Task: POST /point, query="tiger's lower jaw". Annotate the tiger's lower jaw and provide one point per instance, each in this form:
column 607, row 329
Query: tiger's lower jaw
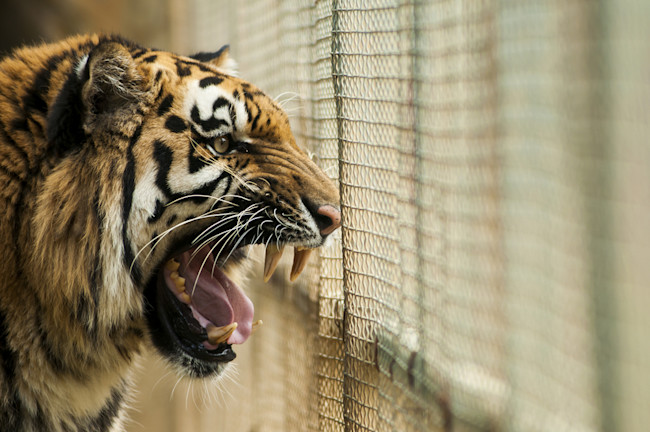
column 196, row 313
column 179, row 339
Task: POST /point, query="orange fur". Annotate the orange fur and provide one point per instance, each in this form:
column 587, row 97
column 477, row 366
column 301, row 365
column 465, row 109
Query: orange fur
column 87, row 127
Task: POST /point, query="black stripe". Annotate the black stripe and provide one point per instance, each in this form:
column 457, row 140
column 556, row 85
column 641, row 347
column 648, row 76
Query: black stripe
column 20, row 124
column 139, row 53
column 182, row 69
column 204, row 192
column 203, row 68
column 208, row 81
column 33, row 99
column 220, row 103
column 195, row 162
column 11, row 406
column 52, row 350
column 128, row 187
column 175, row 124
column 37, row 127
column 233, row 116
column 163, row 157
column 257, row 117
column 165, row 106
column 207, row 57
column 158, row 212
column 8, row 140
column 208, row 125
column 14, row 176
column 65, row 119
column 106, row 416
column 150, row 59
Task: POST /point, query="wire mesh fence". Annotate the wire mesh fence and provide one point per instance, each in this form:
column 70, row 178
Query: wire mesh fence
column 491, row 272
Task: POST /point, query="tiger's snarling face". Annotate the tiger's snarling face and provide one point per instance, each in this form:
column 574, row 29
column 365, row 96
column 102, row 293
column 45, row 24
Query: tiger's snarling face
column 228, row 174
column 135, row 182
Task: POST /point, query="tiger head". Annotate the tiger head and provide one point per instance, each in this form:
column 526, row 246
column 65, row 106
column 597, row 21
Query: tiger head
column 195, row 165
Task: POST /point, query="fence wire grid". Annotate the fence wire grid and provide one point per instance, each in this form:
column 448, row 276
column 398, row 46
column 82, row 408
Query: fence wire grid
column 492, row 268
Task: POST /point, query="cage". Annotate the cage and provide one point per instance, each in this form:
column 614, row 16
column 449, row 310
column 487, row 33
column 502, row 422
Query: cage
column 491, row 271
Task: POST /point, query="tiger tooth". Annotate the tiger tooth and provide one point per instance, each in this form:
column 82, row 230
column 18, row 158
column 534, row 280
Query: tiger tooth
column 300, row 258
column 172, row 265
column 180, row 283
column 216, row 335
column 185, row 297
column 273, row 254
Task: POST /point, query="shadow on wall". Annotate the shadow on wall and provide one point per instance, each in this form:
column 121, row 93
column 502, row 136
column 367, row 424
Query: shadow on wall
column 33, row 21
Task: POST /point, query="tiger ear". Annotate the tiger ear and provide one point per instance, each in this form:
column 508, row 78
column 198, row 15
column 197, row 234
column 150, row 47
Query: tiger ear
column 220, row 58
column 112, row 83
column 103, row 83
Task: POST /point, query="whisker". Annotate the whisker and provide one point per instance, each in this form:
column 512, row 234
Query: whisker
column 156, row 240
column 206, row 196
column 239, row 241
column 211, row 228
column 237, row 244
column 206, row 259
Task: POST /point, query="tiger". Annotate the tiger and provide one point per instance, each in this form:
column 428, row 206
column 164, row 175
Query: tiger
column 133, row 182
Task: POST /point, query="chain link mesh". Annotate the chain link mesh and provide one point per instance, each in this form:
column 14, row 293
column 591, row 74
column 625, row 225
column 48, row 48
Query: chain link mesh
column 492, row 159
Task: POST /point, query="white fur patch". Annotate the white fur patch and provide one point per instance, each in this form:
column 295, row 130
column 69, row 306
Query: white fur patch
column 229, row 67
column 79, row 69
column 241, row 115
column 180, row 181
column 146, row 193
column 204, row 99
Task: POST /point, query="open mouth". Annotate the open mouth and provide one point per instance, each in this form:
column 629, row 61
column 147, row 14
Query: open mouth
column 198, row 309
column 219, row 306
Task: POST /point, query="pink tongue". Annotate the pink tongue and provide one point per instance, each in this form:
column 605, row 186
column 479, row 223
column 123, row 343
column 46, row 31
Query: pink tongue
column 215, row 296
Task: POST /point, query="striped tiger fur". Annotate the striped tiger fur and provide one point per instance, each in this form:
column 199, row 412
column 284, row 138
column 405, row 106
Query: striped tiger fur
column 132, row 181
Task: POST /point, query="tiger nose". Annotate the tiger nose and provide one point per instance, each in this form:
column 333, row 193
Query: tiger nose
column 329, row 220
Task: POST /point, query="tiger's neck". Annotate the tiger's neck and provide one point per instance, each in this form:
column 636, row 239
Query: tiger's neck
column 50, row 234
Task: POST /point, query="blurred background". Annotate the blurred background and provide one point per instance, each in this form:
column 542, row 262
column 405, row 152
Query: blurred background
column 493, row 270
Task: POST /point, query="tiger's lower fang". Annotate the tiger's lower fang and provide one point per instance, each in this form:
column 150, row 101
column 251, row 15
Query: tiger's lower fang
column 217, row 335
column 256, row 325
column 185, row 297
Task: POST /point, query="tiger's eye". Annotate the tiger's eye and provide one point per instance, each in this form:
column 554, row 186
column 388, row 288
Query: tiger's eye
column 222, row 144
